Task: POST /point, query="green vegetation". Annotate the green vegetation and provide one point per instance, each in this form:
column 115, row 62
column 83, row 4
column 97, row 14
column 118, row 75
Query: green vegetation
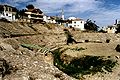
column 91, row 26
column 118, row 28
column 31, row 46
column 42, row 49
column 117, row 48
column 84, row 65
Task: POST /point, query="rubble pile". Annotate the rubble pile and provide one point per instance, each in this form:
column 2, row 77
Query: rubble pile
column 27, row 65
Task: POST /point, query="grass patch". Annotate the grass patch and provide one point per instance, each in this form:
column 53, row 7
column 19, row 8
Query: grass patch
column 34, row 47
column 84, row 65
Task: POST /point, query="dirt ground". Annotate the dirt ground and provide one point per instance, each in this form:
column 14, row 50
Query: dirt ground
column 97, row 49
column 35, row 66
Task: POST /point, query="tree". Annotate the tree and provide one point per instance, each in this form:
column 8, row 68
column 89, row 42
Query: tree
column 89, row 25
column 118, row 28
column 17, row 14
column 21, row 13
column 30, row 6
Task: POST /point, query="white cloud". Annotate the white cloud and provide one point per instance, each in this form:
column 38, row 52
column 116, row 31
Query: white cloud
column 75, row 5
column 52, row 6
column 105, row 17
column 100, row 14
column 18, row 1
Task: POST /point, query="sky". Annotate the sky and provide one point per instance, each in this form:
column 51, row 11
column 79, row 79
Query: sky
column 104, row 12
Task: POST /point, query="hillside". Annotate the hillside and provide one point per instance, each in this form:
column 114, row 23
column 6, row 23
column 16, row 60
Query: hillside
column 18, row 46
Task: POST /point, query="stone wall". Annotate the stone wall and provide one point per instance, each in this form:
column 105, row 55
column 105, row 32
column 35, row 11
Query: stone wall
column 97, row 36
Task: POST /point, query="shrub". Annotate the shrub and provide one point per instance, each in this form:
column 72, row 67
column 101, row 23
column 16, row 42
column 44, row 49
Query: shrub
column 84, row 65
column 117, row 48
column 108, row 40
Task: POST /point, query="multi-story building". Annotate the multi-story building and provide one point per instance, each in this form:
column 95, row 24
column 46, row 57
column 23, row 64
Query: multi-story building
column 35, row 15
column 8, row 12
column 76, row 23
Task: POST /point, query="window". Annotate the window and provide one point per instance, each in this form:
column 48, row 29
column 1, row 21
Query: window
column 74, row 25
column 7, row 8
column 75, row 22
column 70, row 26
column 6, row 14
column 10, row 9
column 81, row 21
column 3, row 14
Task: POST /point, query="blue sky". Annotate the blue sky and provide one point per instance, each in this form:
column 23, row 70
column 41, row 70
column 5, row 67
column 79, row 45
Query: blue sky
column 104, row 12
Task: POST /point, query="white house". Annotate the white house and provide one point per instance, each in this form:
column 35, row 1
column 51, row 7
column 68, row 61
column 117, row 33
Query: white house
column 45, row 18
column 111, row 29
column 49, row 19
column 7, row 12
column 76, row 23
